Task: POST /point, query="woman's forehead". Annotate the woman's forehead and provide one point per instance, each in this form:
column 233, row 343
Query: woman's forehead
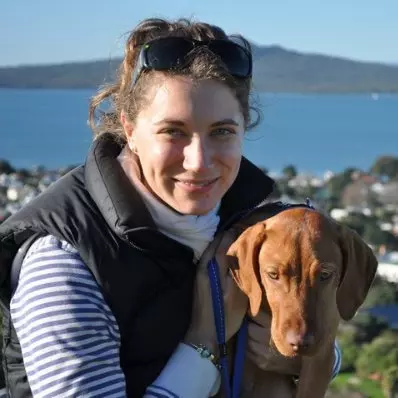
column 179, row 98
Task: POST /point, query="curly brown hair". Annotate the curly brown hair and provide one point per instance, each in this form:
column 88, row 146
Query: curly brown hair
column 204, row 65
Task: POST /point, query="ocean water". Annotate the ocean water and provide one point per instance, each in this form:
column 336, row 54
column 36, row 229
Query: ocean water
column 313, row 132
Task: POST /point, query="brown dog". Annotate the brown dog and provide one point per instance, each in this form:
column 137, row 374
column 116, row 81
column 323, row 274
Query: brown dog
column 307, row 272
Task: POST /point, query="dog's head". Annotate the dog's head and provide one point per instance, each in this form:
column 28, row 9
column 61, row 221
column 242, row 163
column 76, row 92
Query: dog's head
column 308, row 269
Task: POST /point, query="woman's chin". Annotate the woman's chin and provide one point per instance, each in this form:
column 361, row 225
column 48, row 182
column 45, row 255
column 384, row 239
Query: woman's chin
column 194, row 208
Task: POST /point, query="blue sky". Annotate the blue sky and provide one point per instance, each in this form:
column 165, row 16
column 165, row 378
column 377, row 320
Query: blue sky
column 51, row 31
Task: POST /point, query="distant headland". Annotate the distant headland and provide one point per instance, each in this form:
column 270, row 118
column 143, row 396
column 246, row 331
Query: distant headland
column 276, row 69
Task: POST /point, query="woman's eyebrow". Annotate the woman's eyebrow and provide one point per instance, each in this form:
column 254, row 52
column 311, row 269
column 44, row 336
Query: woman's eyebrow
column 224, row 122
column 176, row 122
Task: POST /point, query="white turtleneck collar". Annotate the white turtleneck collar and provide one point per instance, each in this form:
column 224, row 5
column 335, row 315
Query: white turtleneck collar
column 193, row 231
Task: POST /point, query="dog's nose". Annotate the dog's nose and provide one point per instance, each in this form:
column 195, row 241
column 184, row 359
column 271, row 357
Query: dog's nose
column 299, row 341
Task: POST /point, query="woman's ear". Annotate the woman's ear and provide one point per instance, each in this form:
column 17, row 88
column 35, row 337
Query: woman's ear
column 128, row 130
column 126, row 124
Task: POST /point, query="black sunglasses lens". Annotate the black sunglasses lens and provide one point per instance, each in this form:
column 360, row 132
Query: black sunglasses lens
column 167, row 53
column 170, row 53
column 235, row 58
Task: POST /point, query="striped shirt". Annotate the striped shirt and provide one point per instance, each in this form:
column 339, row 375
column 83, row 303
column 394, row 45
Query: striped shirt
column 70, row 340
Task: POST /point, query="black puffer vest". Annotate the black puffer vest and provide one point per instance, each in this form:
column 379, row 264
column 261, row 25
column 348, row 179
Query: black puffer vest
column 146, row 278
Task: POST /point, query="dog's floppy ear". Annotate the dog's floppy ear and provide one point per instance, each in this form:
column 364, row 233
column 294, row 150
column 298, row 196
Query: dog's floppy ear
column 359, row 270
column 246, row 250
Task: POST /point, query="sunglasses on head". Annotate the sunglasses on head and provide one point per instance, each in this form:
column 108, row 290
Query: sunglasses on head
column 171, row 53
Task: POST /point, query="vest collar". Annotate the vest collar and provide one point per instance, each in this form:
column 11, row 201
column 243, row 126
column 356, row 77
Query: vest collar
column 122, row 205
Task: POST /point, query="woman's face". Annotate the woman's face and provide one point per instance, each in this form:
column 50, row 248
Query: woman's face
column 188, row 139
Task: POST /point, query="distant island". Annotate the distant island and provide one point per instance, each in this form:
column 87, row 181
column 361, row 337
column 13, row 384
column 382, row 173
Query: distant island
column 275, row 70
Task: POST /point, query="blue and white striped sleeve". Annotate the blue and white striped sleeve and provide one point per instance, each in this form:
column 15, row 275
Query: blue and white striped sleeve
column 69, row 337
column 337, row 360
column 70, row 340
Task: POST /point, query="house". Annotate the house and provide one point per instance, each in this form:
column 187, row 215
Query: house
column 388, row 194
column 356, row 194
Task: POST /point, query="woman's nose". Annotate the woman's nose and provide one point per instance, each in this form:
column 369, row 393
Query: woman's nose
column 197, row 155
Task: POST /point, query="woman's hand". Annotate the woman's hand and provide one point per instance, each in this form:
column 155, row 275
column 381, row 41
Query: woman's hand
column 202, row 329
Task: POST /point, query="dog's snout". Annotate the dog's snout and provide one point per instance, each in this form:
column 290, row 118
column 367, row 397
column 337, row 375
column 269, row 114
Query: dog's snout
column 299, row 341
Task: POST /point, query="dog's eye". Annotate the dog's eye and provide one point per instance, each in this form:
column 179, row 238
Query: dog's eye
column 324, row 275
column 273, row 275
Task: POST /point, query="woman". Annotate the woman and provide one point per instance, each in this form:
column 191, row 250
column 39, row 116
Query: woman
column 103, row 305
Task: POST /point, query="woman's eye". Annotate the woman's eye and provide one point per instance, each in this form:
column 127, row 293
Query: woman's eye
column 223, row 132
column 174, row 133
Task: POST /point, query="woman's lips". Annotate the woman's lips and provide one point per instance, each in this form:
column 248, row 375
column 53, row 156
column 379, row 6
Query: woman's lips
column 197, row 186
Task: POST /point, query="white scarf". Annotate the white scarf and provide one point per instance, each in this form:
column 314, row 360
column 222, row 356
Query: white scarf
column 193, row 231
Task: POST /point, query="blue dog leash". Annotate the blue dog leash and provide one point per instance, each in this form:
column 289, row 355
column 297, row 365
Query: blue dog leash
column 219, row 318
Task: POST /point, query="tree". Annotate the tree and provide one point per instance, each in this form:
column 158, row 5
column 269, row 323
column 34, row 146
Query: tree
column 386, row 167
column 382, row 292
column 378, row 356
column 349, row 349
column 384, row 215
column 374, row 235
column 368, row 327
column 357, row 222
column 373, row 201
column 369, row 229
column 284, row 189
column 289, row 172
column 390, row 382
column 338, row 182
column 5, row 167
column 24, row 173
column 331, row 203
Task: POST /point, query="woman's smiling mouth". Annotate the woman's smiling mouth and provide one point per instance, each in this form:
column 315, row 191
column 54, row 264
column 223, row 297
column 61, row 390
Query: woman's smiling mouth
column 197, row 186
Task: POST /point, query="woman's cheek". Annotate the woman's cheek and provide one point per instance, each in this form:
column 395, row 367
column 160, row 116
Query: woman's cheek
column 233, row 151
column 166, row 153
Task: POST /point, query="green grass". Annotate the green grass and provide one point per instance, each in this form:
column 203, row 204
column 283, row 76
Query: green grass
column 348, row 381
